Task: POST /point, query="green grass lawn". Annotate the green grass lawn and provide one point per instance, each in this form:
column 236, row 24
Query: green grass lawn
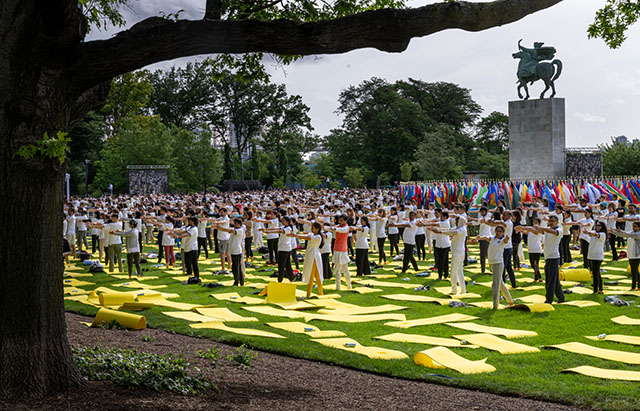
column 534, row 375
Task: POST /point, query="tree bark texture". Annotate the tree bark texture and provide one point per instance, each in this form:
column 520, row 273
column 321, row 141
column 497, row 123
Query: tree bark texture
column 50, row 78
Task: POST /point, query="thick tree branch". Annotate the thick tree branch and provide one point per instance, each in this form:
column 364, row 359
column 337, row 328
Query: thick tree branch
column 156, row 39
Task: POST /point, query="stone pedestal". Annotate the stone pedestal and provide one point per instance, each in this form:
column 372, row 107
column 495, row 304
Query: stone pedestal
column 536, row 138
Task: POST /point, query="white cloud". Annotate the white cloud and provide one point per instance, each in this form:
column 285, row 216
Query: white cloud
column 590, row 117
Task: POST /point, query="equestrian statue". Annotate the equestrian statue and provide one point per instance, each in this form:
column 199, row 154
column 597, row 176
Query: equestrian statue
column 533, row 67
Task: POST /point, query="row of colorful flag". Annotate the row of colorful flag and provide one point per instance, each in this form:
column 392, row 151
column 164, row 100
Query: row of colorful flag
column 512, row 193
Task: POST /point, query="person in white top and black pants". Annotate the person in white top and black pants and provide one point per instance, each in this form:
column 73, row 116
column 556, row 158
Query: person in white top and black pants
column 409, row 238
column 596, row 253
column 361, row 233
column 190, row 246
column 236, row 242
column 633, row 252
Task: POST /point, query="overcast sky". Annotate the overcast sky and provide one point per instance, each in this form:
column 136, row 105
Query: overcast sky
column 601, row 86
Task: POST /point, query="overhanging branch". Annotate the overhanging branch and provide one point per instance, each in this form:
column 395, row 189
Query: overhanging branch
column 156, row 39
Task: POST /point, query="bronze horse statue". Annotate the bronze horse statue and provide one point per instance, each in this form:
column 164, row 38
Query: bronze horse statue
column 531, row 68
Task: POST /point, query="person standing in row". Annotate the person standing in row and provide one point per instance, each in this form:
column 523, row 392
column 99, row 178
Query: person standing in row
column 586, row 224
column 361, row 236
column 442, row 246
column 633, row 251
column 381, row 236
column 313, row 265
column 325, row 252
column 284, row 248
column 190, row 246
column 565, row 243
column 132, row 246
column 340, row 252
column 596, row 254
column 236, row 240
column 394, row 234
column 114, row 249
column 223, row 238
column 495, row 257
column 408, row 228
column 421, row 238
column 248, row 235
column 202, row 234
column 272, row 237
column 458, row 237
column 534, row 247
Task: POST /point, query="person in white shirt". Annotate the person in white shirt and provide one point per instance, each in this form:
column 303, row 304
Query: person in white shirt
column 408, row 228
column 585, row 224
column 495, row 257
column 202, row 234
column 381, row 236
column 97, row 234
column 633, row 251
column 421, row 239
column 114, row 250
column 236, row 245
column 442, row 246
column 313, row 263
column 325, row 252
column 70, row 234
column 361, row 233
column 484, row 231
column 168, row 242
column 596, row 253
column 272, row 237
column 394, row 234
column 223, row 238
column 132, row 247
column 610, row 220
column 534, row 247
column 190, row 246
column 81, row 229
column 458, row 237
column 284, row 248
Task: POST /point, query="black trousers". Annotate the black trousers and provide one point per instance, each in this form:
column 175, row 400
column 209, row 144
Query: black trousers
column 350, row 245
column 248, row 243
column 584, row 250
column 191, row 263
column 208, row 235
column 552, row 280
column 635, row 277
column 420, row 249
column 294, row 257
column 362, row 262
column 236, row 269
column 382, row 256
column 534, row 260
column 202, row 242
column 160, row 247
column 442, row 262
column 284, row 265
column 408, row 258
column 95, row 243
column 484, row 253
column 140, row 239
column 612, row 244
column 435, row 256
column 216, row 245
column 516, row 259
column 594, row 265
column 506, row 256
column 272, row 245
column 565, row 249
column 326, row 266
column 393, row 242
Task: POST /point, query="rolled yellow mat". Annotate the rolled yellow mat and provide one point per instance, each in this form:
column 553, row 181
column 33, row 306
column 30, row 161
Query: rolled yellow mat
column 115, row 298
column 131, row 321
column 578, row 274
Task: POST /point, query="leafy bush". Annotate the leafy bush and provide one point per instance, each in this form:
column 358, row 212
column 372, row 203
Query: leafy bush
column 131, row 368
column 212, row 354
column 243, row 357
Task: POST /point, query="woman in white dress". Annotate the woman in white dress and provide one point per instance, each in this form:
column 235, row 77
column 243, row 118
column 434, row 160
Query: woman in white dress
column 312, row 269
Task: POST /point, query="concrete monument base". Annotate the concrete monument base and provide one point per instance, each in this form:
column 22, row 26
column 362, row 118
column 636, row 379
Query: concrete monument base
column 536, row 138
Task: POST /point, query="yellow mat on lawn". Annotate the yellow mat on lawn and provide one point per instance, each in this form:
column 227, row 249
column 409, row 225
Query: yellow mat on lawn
column 348, row 344
column 188, row 316
column 331, row 303
column 143, row 278
column 176, row 271
column 359, row 290
column 624, row 320
column 75, row 291
column 376, row 283
column 533, row 299
column 613, row 276
column 528, row 288
column 624, row 339
column 276, row 312
column 487, row 305
column 296, row 305
column 130, row 321
column 417, row 298
column 115, row 298
column 622, row 292
column 447, row 291
column 382, row 276
column 236, row 298
column 354, row 318
column 76, row 275
column 581, row 290
column 581, row 303
column 506, row 332
column 362, row 310
column 73, row 268
column 491, row 342
column 532, row 308
column 424, row 339
column 135, row 306
column 608, row 268
column 76, row 283
column 596, row 372
column 612, row 355
column 223, row 314
column 441, row 319
column 220, row 326
column 577, row 274
column 159, row 300
column 442, row 357
column 307, row 329
column 135, row 284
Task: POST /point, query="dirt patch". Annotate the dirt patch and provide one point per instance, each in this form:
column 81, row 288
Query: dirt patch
column 273, row 382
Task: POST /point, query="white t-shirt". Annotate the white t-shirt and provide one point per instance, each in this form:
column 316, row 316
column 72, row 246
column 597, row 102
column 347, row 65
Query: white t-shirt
column 484, row 230
column 284, row 243
column 380, row 225
column 114, row 239
column 409, row 233
column 80, row 225
column 393, row 219
column 628, row 225
column 202, row 228
column 236, row 241
column 167, row 240
column 495, row 254
column 552, row 244
column 508, row 231
column 71, row 225
column 534, row 243
column 596, row 247
column 224, row 222
column 273, row 223
column 362, row 239
column 457, row 241
column 588, row 227
column 190, row 243
column 326, row 247
column 443, row 241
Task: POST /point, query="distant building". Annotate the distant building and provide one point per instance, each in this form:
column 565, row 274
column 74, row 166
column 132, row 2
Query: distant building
column 625, row 140
column 314, row 154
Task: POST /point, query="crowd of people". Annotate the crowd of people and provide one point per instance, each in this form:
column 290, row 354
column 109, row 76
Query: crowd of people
column 338, row 227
